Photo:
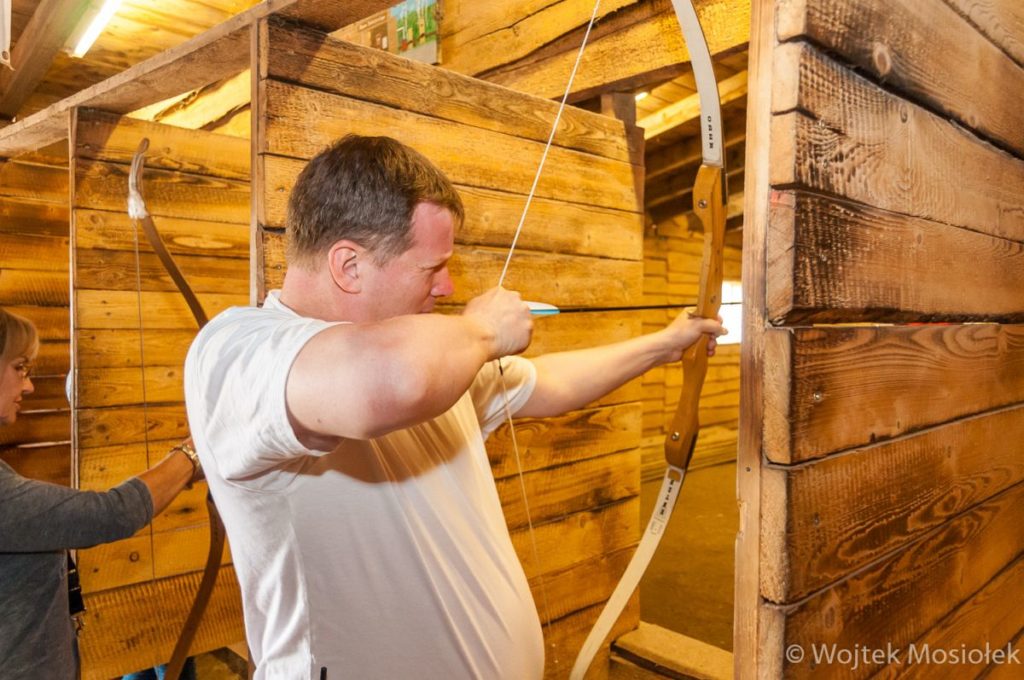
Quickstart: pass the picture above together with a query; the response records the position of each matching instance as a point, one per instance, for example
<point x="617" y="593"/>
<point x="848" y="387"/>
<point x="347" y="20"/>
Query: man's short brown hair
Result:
<point x="363" y="189"/>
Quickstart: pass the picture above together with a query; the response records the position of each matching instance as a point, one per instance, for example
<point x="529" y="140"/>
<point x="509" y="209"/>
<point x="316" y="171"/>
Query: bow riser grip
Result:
<point x="709" y="208"/>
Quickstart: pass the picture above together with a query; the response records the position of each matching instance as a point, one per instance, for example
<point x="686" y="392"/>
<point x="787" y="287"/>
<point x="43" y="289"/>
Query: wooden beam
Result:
<point x="49" y="28"/>
<point x="219" y="53"/>
<point x="688" y="109"/>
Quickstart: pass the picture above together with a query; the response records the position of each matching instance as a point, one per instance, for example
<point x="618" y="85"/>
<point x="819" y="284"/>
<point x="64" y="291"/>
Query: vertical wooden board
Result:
<point x="909" y="46"/>
<point x="751" y="656"/>
<point x="905" y="378"/>
<point x="851" y="138"/>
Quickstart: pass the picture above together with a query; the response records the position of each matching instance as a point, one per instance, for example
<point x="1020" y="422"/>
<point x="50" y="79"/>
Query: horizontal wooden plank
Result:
<point x="183" y="551"/>
<point x="121" y="271"/>
<point x="576" y="436"/>
<point x="564" y="280"/>
<point x="109" y="386"/>
<point x="52" y="323"/>
<point x="582" y="585"/>
<point x="137" y="626"/>
<point x="578" y="537"/>
<point x="112" y="230"/>
<point x="117" y="564"/>
<point x="99" y="348"/>
<point x="854" y="139"/>
<point x="42" y="183"/>
<point x="890" y="42"/>
<point x="824" y="521"/>
<point x="104" y="186"/>
<point x="104" y="467"/>
<point x="31" y="251"/>
<point x="325" y="63"/>
<point x="127" y="424"/>
<point x="834" y="261"/>
<point x="492" y="217"/>
<point x="104" y="136"/>
<point x="36" y="428"/>
<point x="301" y="122"/>
<point x="899" y="598"/>
<point x="574" y="487"/>
<point x="50" y="463"/>
<point x="1001" y="20"/>
<point x="113" y="309"/>
<point x="26" y="288"/>
<point x="23" y="216"/>
<point x="829" y="389"/>
<point x="990" y="619"/>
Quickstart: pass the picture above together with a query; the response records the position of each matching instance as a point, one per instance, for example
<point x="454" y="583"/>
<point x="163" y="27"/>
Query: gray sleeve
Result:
<point x="38" y="516"/>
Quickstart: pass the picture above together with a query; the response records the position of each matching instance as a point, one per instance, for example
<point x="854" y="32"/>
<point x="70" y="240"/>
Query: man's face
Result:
<point x="412" y="282"/>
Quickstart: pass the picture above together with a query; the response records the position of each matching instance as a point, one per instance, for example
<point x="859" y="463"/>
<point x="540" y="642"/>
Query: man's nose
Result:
<point x="443" y="284"/>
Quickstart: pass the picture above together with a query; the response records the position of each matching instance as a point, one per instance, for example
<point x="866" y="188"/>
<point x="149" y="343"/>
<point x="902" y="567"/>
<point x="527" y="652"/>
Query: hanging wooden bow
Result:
<point x="140" y="216"/>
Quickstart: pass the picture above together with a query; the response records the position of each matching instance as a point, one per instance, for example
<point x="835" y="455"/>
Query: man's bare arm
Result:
<point x="570" y="380"/>
<point x="360" y="381"/>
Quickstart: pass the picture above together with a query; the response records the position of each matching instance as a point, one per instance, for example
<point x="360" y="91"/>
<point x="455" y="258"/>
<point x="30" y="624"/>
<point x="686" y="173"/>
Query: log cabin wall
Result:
<point x="580" y="247"/>
<point x="129" y="402"/>
<point x="886" y="451"/>
<point x="34" y="283"/>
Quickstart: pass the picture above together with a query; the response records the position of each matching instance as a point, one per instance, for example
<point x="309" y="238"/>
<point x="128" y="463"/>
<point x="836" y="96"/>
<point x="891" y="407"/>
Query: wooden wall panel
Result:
<point x="132" y="329"/>
<point x="581" y="248"/>
<point x="887" y="461"/>
<point x="34" y="283"/>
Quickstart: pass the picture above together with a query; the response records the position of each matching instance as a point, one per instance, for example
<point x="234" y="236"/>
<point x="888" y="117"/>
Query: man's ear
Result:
<point x="345" y="260"/>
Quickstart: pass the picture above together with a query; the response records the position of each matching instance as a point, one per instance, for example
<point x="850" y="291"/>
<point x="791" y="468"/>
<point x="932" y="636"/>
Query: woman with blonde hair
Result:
<point x="40" y="522"/>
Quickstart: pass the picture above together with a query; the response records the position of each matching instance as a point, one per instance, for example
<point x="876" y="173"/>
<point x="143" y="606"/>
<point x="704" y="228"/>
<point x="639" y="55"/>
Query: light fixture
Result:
<point x="90" y="26"/>
<point x="641" y="95"/>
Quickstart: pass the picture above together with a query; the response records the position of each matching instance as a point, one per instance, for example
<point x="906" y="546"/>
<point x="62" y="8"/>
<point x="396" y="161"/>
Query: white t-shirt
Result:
<point x="386" y="558"/>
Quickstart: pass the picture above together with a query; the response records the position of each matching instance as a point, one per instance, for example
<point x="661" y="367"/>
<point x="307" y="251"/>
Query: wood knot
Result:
<point x="881" y="58"/>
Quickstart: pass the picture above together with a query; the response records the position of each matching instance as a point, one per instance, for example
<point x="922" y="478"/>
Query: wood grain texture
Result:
<point x="1002" y="21"/>
<point x="818" y="400"/>
<point x="104" y="186"/>
<point x="565" y="280"/>
<point x="320" y="62"/>
<point x="834" y="261"/>
<point x="901" y="597"/>
<point x="990" y="619"/>
<point x="906" y="45"/>
<point x="301" y="122"/>
<point x="853" y="139"/>
<point x="104" y="136"/>
<point x="136" y="627"/>
<point x="648" y="32"/>
<point x="826" y="520"/>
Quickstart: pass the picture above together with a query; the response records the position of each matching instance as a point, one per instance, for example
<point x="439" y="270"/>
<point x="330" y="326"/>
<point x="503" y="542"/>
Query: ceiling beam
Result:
<point x="45" y="34"/>
<point x="688" y="109"/>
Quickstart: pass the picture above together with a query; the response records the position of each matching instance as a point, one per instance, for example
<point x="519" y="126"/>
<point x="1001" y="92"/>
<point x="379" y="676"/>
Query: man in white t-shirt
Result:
<point x="342" y="425"/>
